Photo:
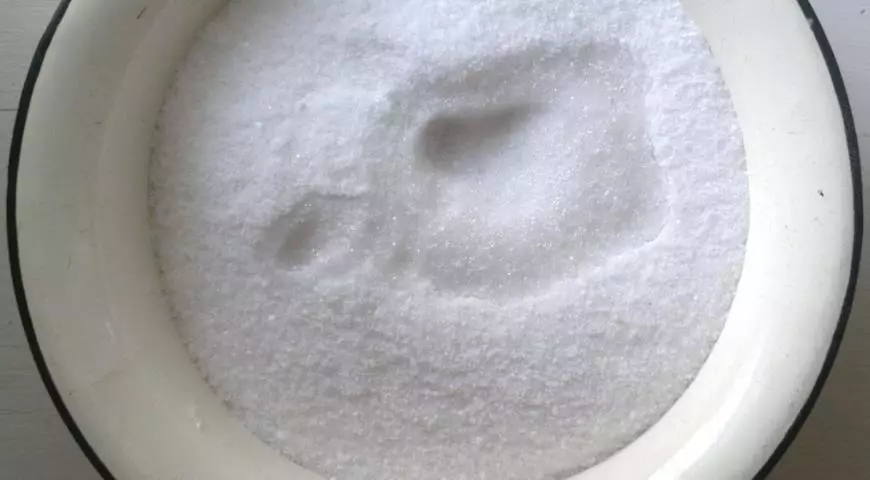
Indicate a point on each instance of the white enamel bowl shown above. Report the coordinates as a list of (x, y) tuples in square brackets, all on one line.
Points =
[(91, 303)]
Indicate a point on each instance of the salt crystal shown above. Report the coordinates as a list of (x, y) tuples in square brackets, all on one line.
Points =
[(462, 239)]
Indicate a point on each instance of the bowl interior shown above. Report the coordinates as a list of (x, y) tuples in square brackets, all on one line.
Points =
[(90, 288)]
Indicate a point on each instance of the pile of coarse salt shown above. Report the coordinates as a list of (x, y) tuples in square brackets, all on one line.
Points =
[(455, 239)]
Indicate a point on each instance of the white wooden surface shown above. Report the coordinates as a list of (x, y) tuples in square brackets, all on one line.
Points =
[(34, 445)]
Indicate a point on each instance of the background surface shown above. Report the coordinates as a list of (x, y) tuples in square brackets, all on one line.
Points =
[(34, 444)]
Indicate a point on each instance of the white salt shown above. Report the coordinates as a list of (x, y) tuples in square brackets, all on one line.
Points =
[(455, 239)]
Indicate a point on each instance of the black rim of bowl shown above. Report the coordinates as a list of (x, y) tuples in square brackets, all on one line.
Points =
[(78, 436)]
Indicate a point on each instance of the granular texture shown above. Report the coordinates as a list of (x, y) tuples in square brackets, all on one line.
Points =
[(455, 239)]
